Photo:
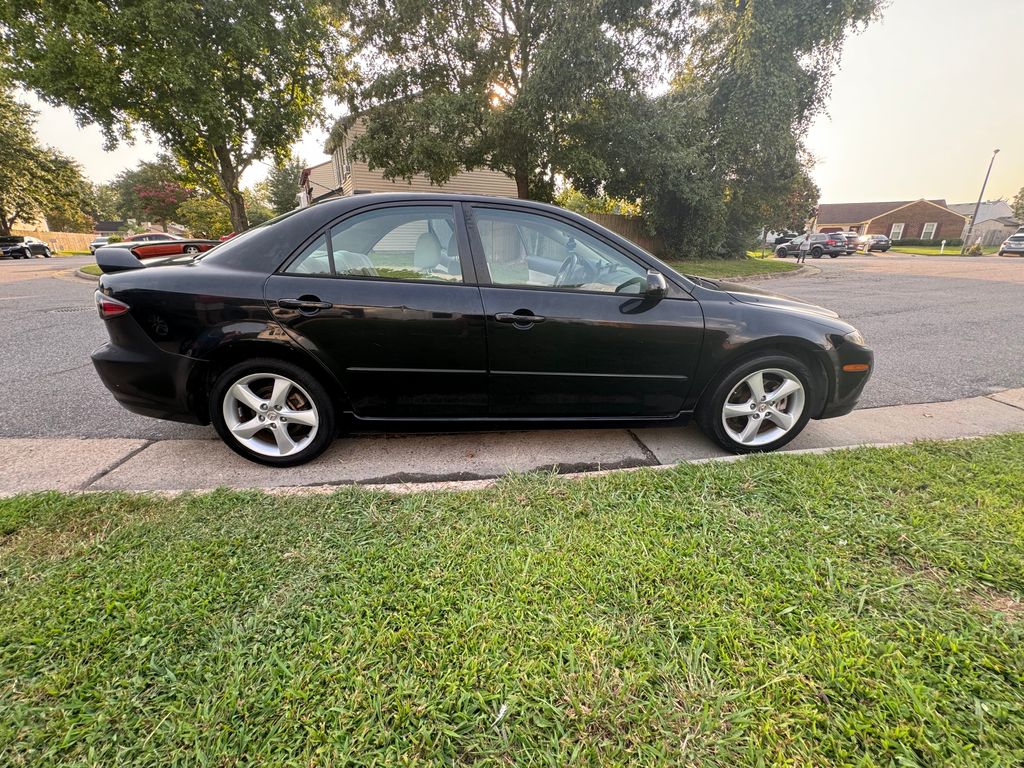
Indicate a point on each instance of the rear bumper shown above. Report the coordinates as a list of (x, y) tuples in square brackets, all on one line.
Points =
[(148, 381)]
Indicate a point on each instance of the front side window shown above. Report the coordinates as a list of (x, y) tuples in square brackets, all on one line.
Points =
[(404, 243), (531, 250)]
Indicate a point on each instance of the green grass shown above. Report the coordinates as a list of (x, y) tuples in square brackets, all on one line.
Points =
[(91, 269), (933, 250), (73, 253), (856, 608), (725, 268)]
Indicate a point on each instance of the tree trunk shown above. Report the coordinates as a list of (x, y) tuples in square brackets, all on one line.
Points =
[(5, 226), (522, 184), (229, 174)]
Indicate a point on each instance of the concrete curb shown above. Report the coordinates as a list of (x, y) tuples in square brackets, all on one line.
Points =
[(463, 461), (86, 276)]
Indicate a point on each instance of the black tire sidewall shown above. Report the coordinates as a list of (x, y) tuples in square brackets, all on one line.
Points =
[(710, 409), (302, 377)]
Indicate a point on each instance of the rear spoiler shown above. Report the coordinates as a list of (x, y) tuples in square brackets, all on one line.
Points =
[(114, 258)]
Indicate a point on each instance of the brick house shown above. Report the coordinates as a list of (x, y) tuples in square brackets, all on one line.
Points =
[(900, 220)]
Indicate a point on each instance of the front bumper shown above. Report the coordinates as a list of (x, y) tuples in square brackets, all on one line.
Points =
[(847, 385), (145, 379)]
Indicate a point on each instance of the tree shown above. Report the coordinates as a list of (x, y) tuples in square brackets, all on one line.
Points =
[(68, 211), (516, 86), (221, 83), (33, 179), (152, 191), (723, 150), (207, 217), (283, 184), (1018, 205), (105, 204)]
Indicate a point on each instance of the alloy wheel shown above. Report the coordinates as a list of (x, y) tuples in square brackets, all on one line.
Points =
[(270, 414), (763, 407)]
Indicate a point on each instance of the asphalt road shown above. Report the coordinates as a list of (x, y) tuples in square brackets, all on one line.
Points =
[(942, 329)]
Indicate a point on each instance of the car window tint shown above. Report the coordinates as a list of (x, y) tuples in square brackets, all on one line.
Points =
[(407, 243), (314, 260), (526, 249)]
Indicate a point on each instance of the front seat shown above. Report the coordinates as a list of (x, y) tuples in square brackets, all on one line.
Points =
[(427, 255), (351, 263)]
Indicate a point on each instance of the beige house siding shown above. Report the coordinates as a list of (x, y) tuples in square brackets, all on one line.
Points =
[(357, 176)]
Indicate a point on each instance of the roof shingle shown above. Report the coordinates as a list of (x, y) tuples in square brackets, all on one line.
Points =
[(857, 213)]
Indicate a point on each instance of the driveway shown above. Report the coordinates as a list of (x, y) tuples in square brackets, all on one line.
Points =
[(942, 329)]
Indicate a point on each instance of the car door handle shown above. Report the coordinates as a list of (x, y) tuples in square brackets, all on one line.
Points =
[(518, 319), (304, 305)]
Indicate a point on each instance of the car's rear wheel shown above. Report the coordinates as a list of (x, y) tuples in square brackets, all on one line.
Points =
[(759, 405), (191, 250), (272, 412)]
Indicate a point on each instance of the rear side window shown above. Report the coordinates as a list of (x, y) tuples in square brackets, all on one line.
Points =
[(402, 243)]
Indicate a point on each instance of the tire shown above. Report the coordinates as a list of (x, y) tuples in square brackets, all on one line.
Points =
[(46, 253), (816, 253), (730, 389), (191, 250), (833, 255), (781, 253), (244, 422)]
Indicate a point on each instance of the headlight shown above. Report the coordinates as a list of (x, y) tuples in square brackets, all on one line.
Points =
[(856, 337)]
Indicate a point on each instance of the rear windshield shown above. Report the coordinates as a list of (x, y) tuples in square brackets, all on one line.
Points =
[(11, 240)]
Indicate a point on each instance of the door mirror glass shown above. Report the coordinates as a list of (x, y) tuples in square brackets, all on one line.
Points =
[(657, 286)]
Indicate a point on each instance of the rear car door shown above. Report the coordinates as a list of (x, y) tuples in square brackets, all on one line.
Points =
[(386, 299), (569, 332)]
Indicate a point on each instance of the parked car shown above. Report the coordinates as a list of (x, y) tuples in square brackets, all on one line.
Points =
[(150, 237), (99, 242), (784, 237), (816, 244), (146, 249), (374, 310), (23, 247), (1014, 244), (878, 243), (852, 241)]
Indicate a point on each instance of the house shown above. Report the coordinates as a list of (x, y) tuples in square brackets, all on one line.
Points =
[(317, 181), (345, 175), (900, 220), (109, 227), (995, 221)]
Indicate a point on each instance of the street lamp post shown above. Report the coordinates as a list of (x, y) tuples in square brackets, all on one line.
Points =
[(970, 227)]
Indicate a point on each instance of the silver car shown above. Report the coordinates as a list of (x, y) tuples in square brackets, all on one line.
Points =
[(1013, 245)]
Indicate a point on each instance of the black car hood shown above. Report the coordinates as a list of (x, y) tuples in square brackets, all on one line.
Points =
[(750, 295)]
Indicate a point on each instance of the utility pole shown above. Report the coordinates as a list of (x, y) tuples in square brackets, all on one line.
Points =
[(974, 218)]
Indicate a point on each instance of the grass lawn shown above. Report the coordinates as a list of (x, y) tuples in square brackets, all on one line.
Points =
[(933, 250), (92, 269), (726, 268), (857, 608)]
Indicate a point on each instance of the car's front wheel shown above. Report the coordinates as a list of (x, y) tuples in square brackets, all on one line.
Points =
[(759, 405), (816, 253), (272, 412), (780, 253)]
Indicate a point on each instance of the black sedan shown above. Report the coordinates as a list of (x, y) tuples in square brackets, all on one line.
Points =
[(382, 310), (22, 247)]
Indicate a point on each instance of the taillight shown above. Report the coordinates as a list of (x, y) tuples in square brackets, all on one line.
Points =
[(109, 307), (831, 242)]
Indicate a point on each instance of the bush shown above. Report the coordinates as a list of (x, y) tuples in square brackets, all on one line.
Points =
[(956, 241), (114, 239)]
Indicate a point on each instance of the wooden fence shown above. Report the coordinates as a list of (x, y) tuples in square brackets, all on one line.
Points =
[(60, 241), (630, 227)]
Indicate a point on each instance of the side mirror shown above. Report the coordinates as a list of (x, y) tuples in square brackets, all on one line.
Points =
[(657, 287)]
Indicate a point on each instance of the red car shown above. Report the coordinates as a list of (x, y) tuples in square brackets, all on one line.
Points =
[(151, 249)]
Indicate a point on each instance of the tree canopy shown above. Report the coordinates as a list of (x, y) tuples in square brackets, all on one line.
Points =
[(152, 191), (517, 86), (221, 83), (283, 184), (34, 179)]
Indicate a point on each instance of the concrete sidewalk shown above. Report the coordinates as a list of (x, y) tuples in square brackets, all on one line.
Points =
[(70, 464)]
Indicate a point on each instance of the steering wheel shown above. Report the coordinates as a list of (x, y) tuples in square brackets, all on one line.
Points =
[(568, 268), (632, 281)]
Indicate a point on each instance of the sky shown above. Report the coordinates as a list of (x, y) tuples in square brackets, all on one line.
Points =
[(920, 101)]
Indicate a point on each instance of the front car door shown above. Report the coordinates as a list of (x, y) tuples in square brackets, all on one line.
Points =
[(386, 299), (569, 332)]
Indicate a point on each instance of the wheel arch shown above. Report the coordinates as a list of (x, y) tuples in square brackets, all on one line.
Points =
[(803, 350), (231, 353)]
